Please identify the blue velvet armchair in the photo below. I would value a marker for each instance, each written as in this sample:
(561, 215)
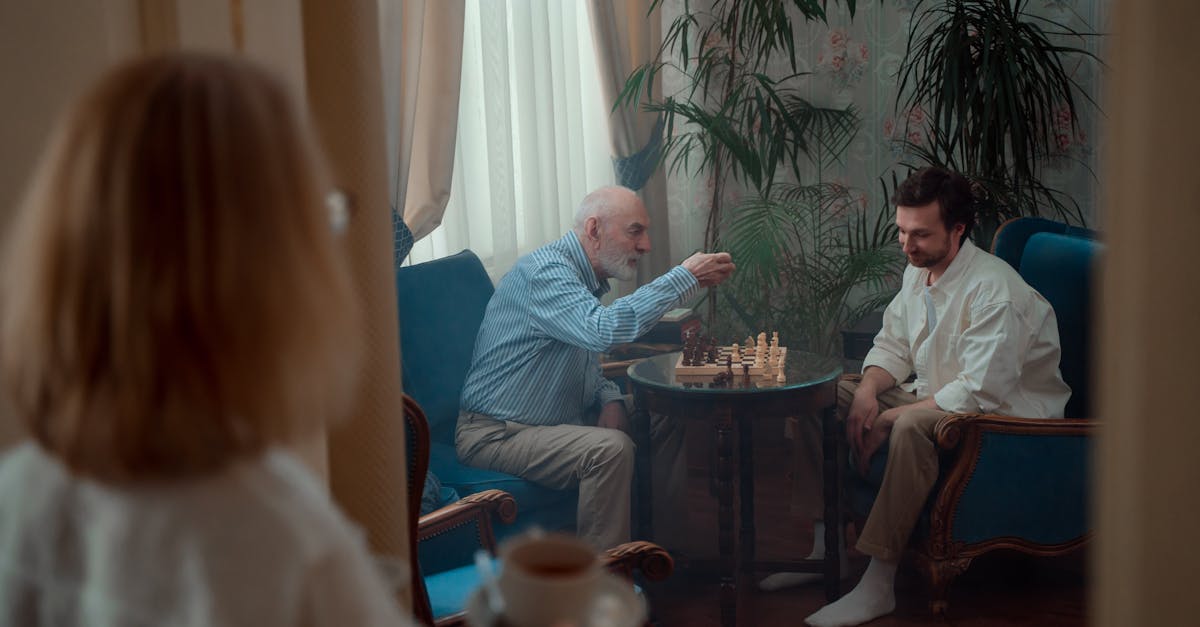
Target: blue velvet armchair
(1010, 482)
(441, 305)
(444, 541)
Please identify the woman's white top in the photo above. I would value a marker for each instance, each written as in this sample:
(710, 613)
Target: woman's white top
(258, 544)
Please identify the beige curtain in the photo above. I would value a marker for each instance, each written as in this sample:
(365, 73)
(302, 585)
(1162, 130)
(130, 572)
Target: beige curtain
(1146, 560)
(367, 455)
(421, 41)
(626, 38)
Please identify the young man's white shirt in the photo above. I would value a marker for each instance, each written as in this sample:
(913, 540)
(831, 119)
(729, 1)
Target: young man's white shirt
(994, 348)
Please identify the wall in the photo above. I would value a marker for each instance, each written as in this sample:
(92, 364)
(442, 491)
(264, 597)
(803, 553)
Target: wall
(854, 62)
(49, 51)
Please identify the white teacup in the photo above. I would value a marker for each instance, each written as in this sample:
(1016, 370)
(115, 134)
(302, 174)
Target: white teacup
(548, 579)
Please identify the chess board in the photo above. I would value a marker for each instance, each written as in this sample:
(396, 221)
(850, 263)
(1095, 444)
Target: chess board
(718, 366)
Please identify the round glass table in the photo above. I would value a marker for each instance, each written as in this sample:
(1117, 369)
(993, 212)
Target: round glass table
(734, 402)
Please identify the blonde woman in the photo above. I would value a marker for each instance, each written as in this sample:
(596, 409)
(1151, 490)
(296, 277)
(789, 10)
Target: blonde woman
(175, 307)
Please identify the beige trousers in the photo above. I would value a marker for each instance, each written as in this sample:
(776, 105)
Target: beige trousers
(597, 461)
(912, 468)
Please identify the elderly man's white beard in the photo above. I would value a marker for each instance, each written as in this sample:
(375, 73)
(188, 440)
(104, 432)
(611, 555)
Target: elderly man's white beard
(616, 264)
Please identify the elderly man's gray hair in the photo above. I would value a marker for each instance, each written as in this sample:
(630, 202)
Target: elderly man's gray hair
(601, 203)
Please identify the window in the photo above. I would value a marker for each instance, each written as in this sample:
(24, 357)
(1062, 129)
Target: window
(533, 134)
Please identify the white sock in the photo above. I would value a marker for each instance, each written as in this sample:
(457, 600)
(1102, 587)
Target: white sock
(778, 581)
(874, 596)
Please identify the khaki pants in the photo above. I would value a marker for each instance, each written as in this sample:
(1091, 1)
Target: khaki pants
(912, 468)
(597, 461)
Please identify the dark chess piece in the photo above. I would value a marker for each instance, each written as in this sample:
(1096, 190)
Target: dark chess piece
(691, 350)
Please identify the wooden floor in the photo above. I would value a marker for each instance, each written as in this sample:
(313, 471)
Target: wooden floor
(1002, 588)
(997, 590)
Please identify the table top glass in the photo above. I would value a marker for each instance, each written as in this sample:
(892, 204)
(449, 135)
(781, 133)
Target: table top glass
(801, 370)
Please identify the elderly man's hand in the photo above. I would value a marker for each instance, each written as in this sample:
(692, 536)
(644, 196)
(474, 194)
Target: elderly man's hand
(710, 268)
(612, 416)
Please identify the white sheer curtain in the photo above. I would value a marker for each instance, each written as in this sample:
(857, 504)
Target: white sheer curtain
(533, 133)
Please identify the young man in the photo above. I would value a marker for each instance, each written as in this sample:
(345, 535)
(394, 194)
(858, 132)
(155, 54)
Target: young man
(979, 340)
(535, 404)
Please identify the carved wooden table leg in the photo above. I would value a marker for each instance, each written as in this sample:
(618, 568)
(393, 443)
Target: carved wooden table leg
(746, 491)
(833, 513)
(724, 437)
(644, 471)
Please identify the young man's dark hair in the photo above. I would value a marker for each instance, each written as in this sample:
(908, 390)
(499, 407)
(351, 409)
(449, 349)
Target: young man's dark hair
(952, 191)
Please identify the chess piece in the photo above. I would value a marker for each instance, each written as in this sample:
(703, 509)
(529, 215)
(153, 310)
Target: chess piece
(779, 378)
(690, 345)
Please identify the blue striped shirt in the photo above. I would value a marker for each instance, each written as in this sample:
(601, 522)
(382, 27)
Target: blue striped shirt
(537, 355)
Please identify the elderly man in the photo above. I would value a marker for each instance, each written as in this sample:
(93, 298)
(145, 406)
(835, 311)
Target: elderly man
(535, 404)
(979, 340)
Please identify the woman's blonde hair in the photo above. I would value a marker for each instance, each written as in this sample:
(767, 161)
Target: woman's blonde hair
(173, 296)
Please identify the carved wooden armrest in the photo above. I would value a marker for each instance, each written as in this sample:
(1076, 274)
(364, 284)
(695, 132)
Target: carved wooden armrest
(960, 438)
(955, 430)
(653, 560)
(485, 503)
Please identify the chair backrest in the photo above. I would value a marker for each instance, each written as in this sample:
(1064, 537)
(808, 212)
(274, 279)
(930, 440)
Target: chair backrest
(1060, 267)
(1009, 241)
(416, 438)
(441, 305)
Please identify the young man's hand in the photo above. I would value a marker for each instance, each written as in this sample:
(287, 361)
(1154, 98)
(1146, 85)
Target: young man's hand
(863, 411)
(874, 435)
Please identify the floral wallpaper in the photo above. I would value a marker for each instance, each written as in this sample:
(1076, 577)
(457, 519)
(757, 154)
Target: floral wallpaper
(855, 62)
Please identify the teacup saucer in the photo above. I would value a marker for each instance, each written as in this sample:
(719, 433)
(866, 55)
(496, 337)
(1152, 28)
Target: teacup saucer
(616, 605)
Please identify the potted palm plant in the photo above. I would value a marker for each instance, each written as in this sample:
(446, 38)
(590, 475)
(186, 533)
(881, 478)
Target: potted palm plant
(804, 249)
(997, 85)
